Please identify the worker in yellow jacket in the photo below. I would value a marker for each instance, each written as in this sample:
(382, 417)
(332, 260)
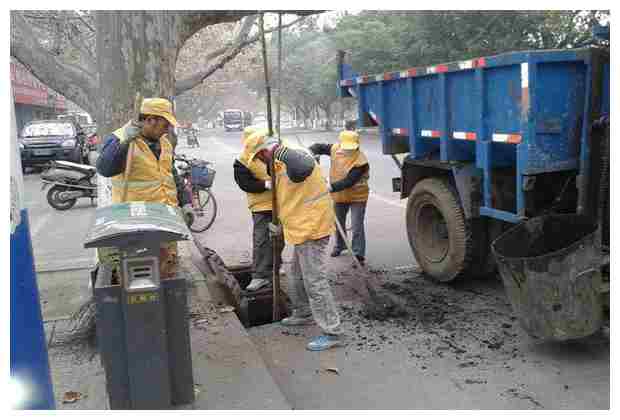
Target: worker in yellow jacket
(348, 178)
(251, 176)
(152, 176)
(306, 222)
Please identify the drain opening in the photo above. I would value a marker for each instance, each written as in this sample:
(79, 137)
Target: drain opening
(256, 308)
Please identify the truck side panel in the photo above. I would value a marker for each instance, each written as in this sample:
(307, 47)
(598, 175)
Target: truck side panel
(525, 112)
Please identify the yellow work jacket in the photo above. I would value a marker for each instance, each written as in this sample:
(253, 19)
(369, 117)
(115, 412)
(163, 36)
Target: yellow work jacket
(257, 201)
(150, 179)
(340, 166)
(304, 208)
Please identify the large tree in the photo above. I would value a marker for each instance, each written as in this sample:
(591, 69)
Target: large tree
(125, 52)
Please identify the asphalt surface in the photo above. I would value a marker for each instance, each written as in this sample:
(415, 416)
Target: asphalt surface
(455, 346)
(452, 347)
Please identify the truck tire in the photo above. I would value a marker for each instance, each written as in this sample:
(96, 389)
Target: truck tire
(438, 232)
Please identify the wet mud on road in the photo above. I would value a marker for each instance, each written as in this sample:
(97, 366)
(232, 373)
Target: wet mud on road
(460, 340)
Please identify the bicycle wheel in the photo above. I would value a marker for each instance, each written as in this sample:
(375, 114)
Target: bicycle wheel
(205, 215)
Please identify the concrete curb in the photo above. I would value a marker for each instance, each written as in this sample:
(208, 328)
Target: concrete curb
(229, 372)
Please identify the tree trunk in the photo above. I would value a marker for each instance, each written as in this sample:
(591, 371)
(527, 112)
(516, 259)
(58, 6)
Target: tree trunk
(328, 116)
(136, 52)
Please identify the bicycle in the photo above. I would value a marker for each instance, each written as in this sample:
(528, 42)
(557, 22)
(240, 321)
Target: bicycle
(198, 176)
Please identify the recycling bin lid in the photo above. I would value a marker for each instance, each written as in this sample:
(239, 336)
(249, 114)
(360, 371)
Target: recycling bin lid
(134, 223)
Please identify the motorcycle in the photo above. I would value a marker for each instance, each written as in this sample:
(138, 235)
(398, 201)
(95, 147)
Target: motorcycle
(69, 181)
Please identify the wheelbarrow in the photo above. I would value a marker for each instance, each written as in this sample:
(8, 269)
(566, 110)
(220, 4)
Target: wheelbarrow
(550, 268)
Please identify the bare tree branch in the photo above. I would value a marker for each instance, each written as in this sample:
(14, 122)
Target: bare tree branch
(86, 55)
(190, 22)
(248, 41)
(197, 78)
(76, 86)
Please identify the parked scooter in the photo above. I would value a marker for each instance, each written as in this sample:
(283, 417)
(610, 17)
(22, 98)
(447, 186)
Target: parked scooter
(69, 181)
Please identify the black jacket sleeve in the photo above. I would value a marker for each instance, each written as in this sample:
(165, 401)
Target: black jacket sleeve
(112, 158)
(321, 149)
(351, 179)
(246, 180)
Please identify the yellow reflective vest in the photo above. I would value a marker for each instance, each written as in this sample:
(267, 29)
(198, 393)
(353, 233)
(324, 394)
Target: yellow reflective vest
(257, 201)
(340, 166)
(150, 179)
(304, 208)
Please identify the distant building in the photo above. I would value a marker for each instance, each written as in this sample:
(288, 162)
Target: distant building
(33, 99)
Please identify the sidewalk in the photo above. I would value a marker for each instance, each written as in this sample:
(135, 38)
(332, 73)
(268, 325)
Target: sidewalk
(229, 373)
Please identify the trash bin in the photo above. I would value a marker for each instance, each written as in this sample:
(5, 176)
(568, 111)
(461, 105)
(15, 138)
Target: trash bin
(550, 268)
(142, 330)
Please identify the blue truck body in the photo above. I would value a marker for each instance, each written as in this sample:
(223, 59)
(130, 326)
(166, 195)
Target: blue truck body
(531, 111)
(492, 141)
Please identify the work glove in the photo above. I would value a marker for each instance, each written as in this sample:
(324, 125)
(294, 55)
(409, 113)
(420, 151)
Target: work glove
(268, 185)
(131, 131)
(275, 231)
(329, 187)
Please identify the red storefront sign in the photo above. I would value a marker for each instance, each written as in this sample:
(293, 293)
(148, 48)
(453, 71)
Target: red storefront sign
(28, 90)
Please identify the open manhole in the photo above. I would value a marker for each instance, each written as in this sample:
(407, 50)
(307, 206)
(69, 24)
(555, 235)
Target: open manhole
(256, 308)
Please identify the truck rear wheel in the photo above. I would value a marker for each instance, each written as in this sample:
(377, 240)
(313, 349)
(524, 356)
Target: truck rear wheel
(437, 230)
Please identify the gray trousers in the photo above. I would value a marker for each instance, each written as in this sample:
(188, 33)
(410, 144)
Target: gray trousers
(309, 289)
(262, 265)
(358, 212)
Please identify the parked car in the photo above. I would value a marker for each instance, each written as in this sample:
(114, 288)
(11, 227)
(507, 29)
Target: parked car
(46, 140)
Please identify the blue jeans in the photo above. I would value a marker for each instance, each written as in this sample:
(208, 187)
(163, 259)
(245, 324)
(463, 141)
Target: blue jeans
(358, 212)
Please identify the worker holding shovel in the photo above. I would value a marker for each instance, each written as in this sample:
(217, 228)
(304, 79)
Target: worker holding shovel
(307, 220)
(349, 173)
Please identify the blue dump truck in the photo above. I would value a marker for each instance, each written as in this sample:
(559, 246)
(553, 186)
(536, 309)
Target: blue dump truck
(490, 144)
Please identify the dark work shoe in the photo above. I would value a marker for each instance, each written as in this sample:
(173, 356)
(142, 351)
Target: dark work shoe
(336, 252)
(362, 260)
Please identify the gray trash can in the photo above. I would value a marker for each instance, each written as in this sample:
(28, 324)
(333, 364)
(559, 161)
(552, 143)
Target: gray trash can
(142, 321)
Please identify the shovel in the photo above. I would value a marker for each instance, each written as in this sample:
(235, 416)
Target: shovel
(380, 306)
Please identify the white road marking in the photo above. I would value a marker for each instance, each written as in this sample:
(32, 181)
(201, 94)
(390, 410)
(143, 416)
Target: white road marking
(387, 200)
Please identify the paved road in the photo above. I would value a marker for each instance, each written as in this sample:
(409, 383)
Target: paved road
(460, 348)
(416, 370)
(61, 262)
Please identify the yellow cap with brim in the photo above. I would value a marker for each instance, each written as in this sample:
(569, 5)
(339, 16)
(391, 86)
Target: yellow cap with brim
(250, 131)
(349, 140)
(259, 141)
(160, 107)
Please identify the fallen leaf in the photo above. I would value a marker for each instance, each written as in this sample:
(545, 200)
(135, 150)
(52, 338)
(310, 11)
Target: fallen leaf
(333, 370)
(71, 397)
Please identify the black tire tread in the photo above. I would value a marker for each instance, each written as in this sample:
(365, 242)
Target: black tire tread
(461, 234)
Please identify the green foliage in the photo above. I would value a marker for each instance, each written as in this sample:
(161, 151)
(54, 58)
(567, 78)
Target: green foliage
(309, 72)
(378, 41)
(387, 41)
